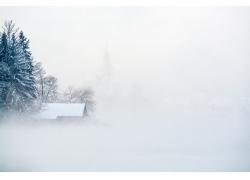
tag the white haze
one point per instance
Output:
(172, 54)
(145, 141)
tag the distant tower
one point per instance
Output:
(107, 88)
(106, 70)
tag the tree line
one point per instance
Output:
(24, 85)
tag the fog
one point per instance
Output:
(177, 100)
(145, 141)
(172, 47)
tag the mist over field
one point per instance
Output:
(176, 97)
(144, 140)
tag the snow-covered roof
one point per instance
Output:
(52, 110)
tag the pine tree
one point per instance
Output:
(4, 71)
(14, 55)
(24, 78)
(16, 72)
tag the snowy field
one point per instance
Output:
(145, 140)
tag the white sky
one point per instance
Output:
(170, 48)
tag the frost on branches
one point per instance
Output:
(17, 82)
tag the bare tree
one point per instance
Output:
(50, 90)
(47, 86)
(85, 95)
(39, 74)
(80, 95)
(69, 95)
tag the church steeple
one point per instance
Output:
(106, 70)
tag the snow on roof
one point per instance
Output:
(52, 110)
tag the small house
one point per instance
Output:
(62, 112)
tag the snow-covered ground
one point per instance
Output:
(135, 140)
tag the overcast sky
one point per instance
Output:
(170, 48)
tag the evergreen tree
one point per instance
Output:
(4, 71)
(23, 76)
(14, 55)
(17, 82)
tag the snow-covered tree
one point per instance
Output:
(18, 91)
(4, 71)
(24, 90)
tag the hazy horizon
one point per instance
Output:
(166, 49)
